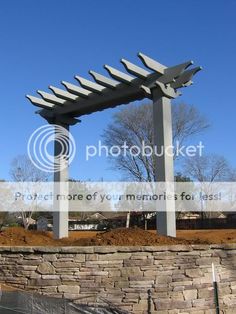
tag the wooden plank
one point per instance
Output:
(51, 98)
(76, 90)
(68, 120)
(146, 90)
(134, 69)
(40, 102)
(63, 94)
(177, 70)
(94, 87)
(184, 78)
(171, 73)
(103, 80)
(118, 75)
(151, 63)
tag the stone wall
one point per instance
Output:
(163, 279)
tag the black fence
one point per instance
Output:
(199, 223)
(206, 223)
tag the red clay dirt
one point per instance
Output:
(17, 236)
(7, 288)
(136, 236)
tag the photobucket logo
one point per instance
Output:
(41, 152)
(143, 150)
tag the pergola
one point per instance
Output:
(154, 81)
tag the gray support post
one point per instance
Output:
(61, 187)
(164, 168)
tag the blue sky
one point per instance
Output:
(44, 42)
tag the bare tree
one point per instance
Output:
(22, 170)
(186, 122)
(134, 126)
(208, 169)
(232, 175)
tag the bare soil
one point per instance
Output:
(7, 288)
(218, 236)
(17, 236)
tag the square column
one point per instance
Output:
(164, 168)
(61, 184)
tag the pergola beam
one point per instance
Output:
(120, 88)
(171, 73)
(185, 77)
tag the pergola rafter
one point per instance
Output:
(105, 92)
(154, 81)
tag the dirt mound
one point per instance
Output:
(17, 236)
(136, 236)
(20, 236)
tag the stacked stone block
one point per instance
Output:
(156, 279)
